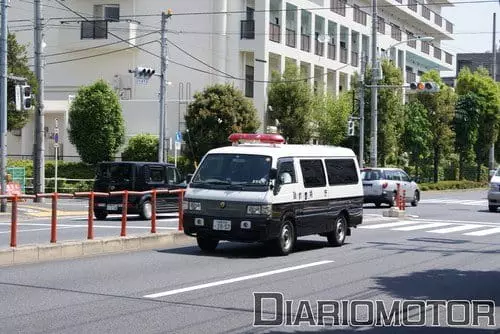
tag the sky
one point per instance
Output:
(473, 26)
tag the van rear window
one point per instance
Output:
(114, 172)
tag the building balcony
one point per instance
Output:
(99, 33)
(319, 48)
(415, 13)
(343, 55)
(274, 32)
(305, 43)
(247, 29)
(354, 59)
(331, 53)
(291, 38)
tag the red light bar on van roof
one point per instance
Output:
(267, 138)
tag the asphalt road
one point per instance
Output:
(436, 255)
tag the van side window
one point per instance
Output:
(172, 177)
(341, 171)
(286, 172)
(313, 173)
(156, 174)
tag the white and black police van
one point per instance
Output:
(261, 189)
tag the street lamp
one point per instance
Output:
(376, 76)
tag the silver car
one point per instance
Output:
(494, 192)
(380, 185)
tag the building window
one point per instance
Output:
(381, 25)
(338, 6)
(359, 15)
(94, 29)
(107, 12)
(249, 76)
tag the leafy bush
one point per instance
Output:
(143, 147)
(450, 185)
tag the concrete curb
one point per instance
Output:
(78, 249)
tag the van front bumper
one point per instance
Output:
(261, 228)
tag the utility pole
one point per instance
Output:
(163, 84)
(3, 101)
(374, 100)
(362, 111)
(494, 74)
(39, 163)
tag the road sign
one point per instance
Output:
(56, 138)
(18, 98)
(177, 145)
(178, 136)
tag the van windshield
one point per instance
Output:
(233, 171)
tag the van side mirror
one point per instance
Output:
(273, 174)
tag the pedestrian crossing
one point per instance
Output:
(483, 202)
(437, 227)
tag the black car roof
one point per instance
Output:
(138, 163)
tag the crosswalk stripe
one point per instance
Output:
(393, 224)
(457, 229)
(484, 232)
(420, 226)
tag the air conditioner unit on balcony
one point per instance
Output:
(107, 12)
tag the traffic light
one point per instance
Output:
(350, 127)
(144, 72)
(26, 97)
(424, 87)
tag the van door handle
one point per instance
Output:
(326, 192)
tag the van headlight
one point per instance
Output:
(191, 206)
(259, 209)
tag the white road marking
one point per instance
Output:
(456, 221)
(85, 226)
(454, 201)
(34, 230)
(457, 228)
(394, 224)
(421, 226)
(233, 280)
(484, 232)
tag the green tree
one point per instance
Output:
(142, 147)
(440, 107)
(417, 135)
(17, 63)
(330, 117)
(215, 113)
(466, 128)
(97, 127)
(291, 102)
(488, 96)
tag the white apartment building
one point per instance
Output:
(210, 41)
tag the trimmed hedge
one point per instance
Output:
(450, 185)
(66, 170)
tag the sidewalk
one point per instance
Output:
(65, 207)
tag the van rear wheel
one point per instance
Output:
(146, 210)
(337, 236)
(100, 214)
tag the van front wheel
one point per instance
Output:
(286, 239)
(207, 244)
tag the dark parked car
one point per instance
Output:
(136, 176)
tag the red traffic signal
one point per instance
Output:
(427, 87)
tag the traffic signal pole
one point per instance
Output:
(494, 74)
(3, 101)
(374, 89)
(39, 163)
(163, 86)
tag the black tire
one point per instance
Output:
(492, 208)
(416, 198)
(286, 240)
(337, 237)
(146, 210)
(378, 204)
(100, 214)
(206, 244)
(392, 200)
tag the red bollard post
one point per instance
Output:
(124, 214)
(153, 213)
(90, 232)
(181, 211)
(398, 197)
(13, 225)
(53, 223)
(404, 200)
